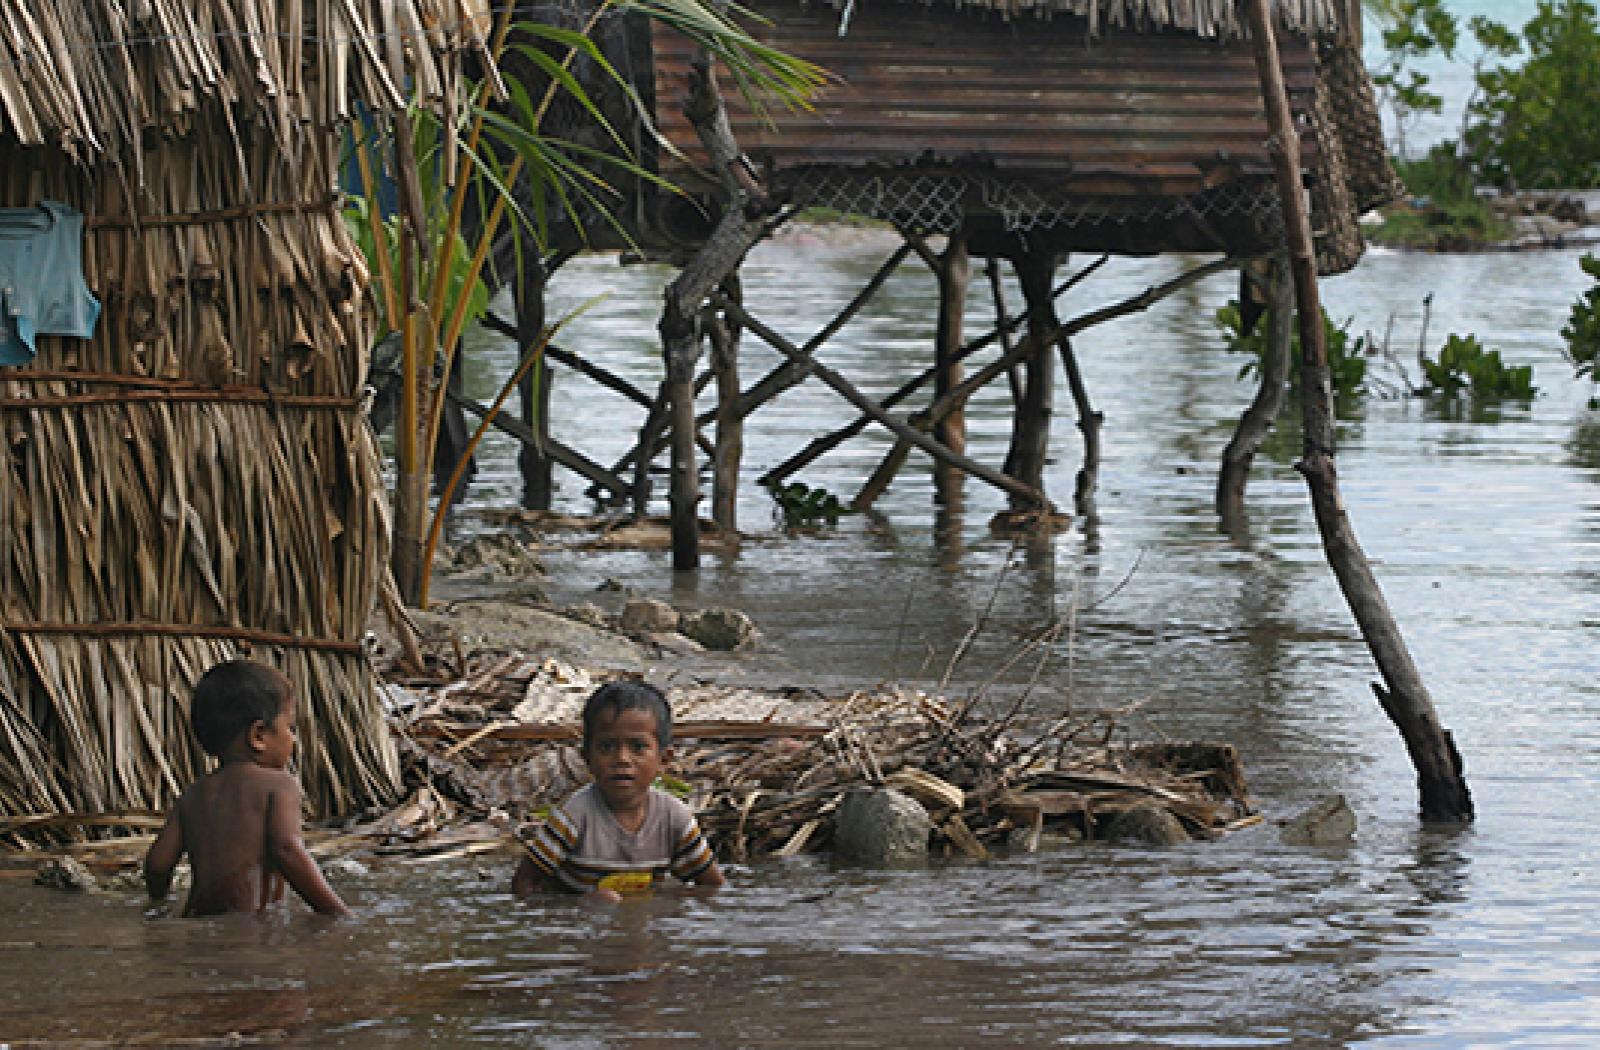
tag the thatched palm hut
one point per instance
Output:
(196, 479)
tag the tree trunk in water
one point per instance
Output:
(954, 274)
(1441, 779)
(1030, 433)
(1263, 411)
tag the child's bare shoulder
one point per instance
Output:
(242, 779)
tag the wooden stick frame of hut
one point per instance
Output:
(197, 481)
(1025, 132)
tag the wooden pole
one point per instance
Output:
(1025, 496)
(575, 461)
(533, 394)
(1268, 402)
(1030, 429)
(1441, 778)
(954, 274)
(1089, 422)
(746, 207)
(998, 293)
(729, 448)
(820, 446)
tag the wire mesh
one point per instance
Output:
(939, 202)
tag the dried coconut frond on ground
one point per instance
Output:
(766, 772)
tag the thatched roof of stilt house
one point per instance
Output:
(1130, 126)
(195, 479)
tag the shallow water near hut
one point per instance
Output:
(1484, 528)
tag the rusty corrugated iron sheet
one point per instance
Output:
(1134, 114)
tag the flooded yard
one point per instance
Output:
(1484, 529)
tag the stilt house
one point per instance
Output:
(1022, 130)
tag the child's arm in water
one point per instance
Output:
(287, 851)
(163, 857)
(709, 879)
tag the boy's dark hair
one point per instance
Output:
(617, 697)
(232, 697)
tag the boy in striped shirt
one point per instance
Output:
(619, 835)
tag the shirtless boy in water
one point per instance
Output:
(240, 824)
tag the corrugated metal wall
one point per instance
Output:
(1136, 114)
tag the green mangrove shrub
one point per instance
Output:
(1347, 354)
(1465, 366)
(800, 506)
(1582, 331)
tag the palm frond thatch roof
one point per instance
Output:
(1205, 18)
(70, 69)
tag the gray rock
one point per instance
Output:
(1329, 822)
(589, 613)
(1152, 825)
(66, 873)
(721, 629)
(880, 827)
(489, 624)
(647, 616)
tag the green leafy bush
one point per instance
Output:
(801, 506)
(1464, 366)
(1444, 213)
(1538, 125)
(1582, 331)
(1347, 363)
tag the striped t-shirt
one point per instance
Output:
(582, 847)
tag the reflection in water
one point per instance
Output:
(1485, 535)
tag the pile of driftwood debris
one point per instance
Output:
(484, 756)
(766, 772)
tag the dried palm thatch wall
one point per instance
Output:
(198, 479)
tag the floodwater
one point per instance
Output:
(1484, 528)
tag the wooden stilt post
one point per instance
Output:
(954, 275)
(724, 336)
(1030, 430)
(743, 220)
(1258, 418)
(1441, 778)
(1031, 499)
(533, 393)
(1002, 325)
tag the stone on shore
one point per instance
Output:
(647, 616)
(722, 630)
(1330, 822)
(1151, 825)
(880, 827)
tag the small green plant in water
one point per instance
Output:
(801, 506)
(1582, 331)
(1347, 362)
(1464, 366)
